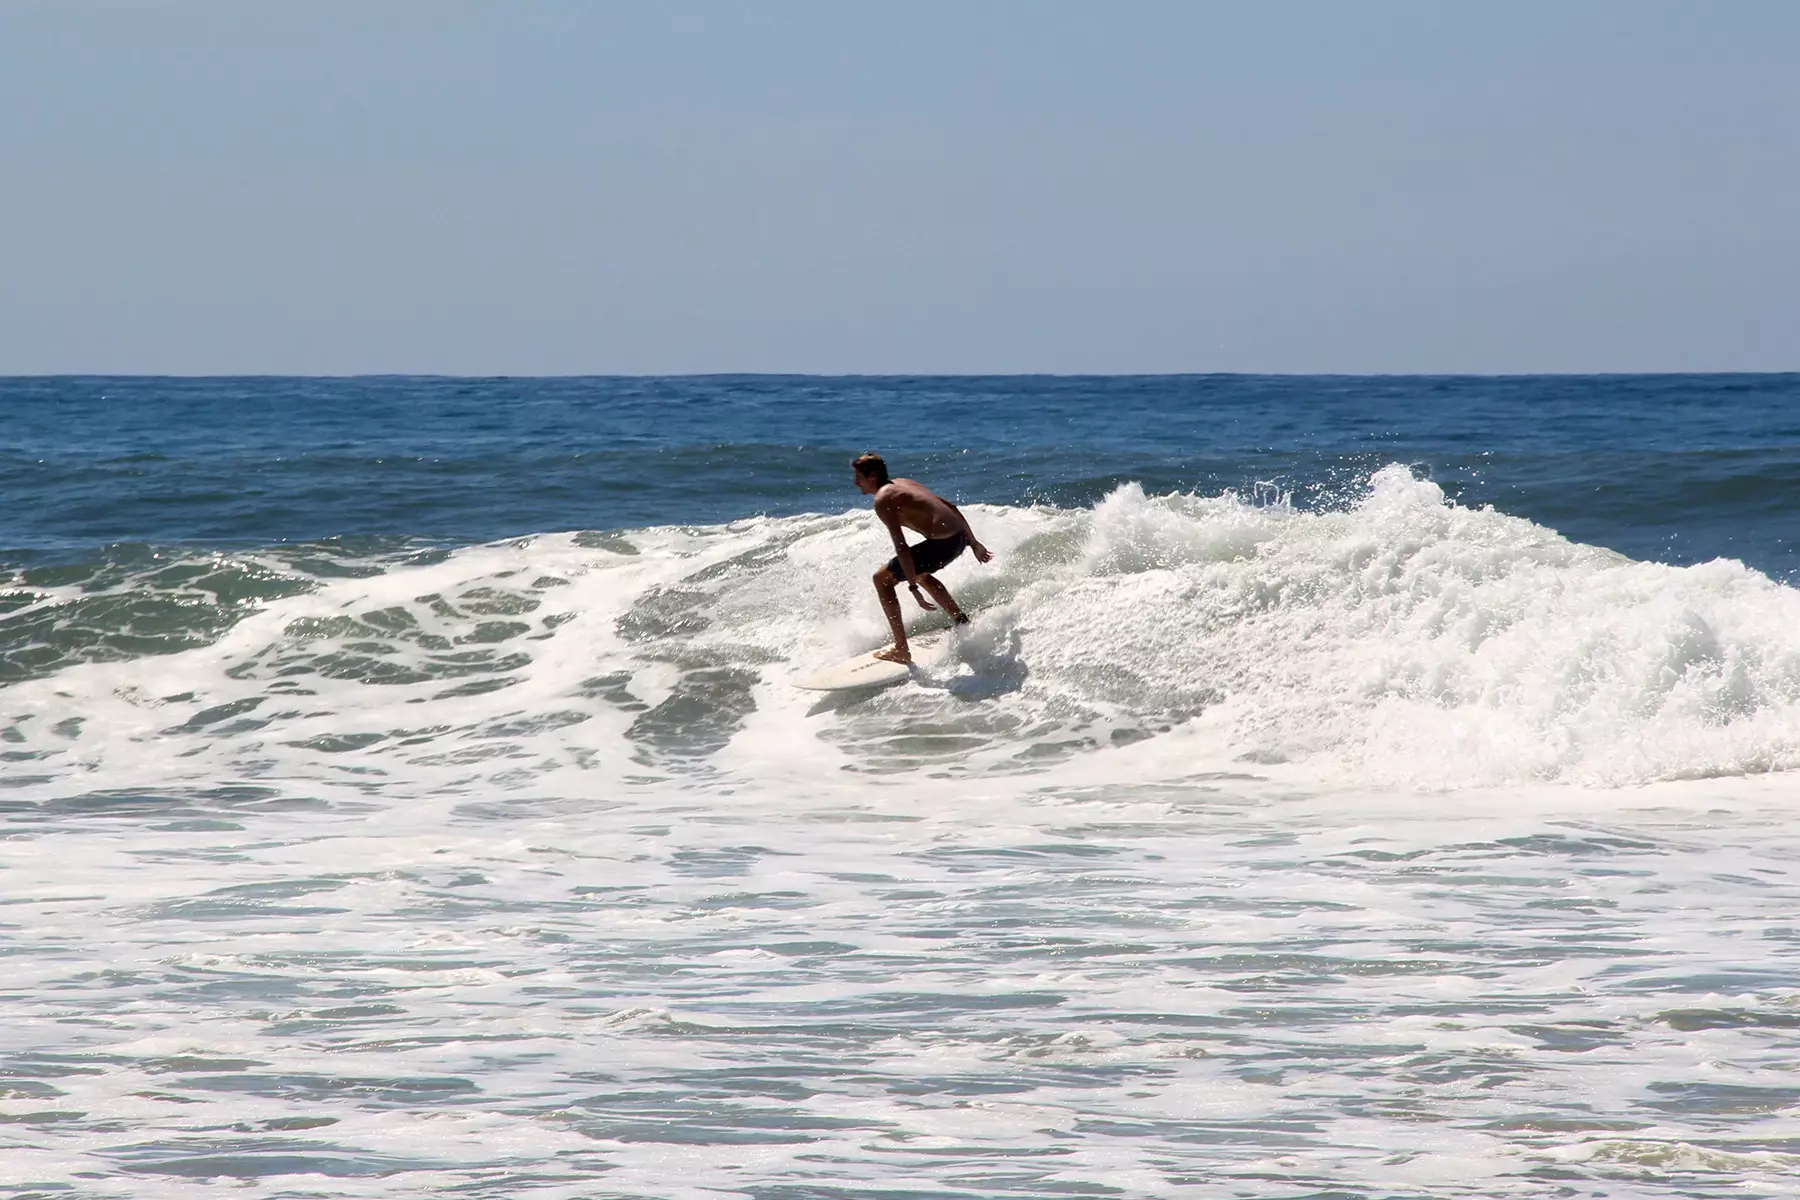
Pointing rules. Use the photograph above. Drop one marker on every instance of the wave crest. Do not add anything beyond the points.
(1397, 640)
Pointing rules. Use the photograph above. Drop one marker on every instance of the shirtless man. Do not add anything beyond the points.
(910, 504)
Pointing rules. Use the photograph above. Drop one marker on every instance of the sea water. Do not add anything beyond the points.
(1347, 787)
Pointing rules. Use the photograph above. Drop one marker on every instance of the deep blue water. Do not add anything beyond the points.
(1676, 468)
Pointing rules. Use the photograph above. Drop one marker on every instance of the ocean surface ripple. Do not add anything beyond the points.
(1361, 788)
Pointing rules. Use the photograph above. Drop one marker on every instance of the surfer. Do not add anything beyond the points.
(909, 504)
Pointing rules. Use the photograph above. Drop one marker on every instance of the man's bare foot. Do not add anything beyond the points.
(960, 619)
(891, 654)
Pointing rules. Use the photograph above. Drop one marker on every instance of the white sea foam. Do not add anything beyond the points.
(1402, 641)
(1235, 847)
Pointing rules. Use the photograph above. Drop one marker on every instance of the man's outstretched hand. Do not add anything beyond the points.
(982, 553)
(925, 604)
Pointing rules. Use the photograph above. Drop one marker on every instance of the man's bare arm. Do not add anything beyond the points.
(982, 553)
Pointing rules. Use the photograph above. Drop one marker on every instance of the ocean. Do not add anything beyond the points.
(1348, 787)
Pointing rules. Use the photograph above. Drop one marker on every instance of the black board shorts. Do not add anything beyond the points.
(930, 555)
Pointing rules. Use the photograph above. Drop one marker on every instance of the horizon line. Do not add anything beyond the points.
(493, 376)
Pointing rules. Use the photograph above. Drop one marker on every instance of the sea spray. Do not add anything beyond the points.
(1398, 640)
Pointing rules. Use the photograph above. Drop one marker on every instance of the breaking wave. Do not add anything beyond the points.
(1398, 640)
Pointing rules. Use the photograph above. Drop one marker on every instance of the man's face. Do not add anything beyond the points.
(865, 483)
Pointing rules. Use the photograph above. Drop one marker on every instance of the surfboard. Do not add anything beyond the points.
(867, 671)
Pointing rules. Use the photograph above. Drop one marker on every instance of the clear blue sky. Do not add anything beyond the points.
(843, 186)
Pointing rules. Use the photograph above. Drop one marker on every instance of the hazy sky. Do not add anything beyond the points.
(851, 186)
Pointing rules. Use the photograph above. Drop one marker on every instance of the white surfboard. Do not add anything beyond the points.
(867, 671)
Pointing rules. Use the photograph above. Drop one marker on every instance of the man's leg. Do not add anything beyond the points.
(885, 583)
(945, 600)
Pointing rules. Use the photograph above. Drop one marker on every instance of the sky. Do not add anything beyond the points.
(556, 187)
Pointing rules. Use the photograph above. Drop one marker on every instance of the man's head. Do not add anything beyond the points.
(871, 473)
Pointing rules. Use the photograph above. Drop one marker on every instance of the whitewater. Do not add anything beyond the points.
(1397, 848)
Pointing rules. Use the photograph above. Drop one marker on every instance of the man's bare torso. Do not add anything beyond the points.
(918, 508)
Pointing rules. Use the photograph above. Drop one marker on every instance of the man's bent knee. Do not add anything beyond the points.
(884, 580)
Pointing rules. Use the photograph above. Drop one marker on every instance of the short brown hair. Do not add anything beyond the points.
(871, 464)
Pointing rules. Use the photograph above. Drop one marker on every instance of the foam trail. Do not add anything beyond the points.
(1399, 641)
(522, 870)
